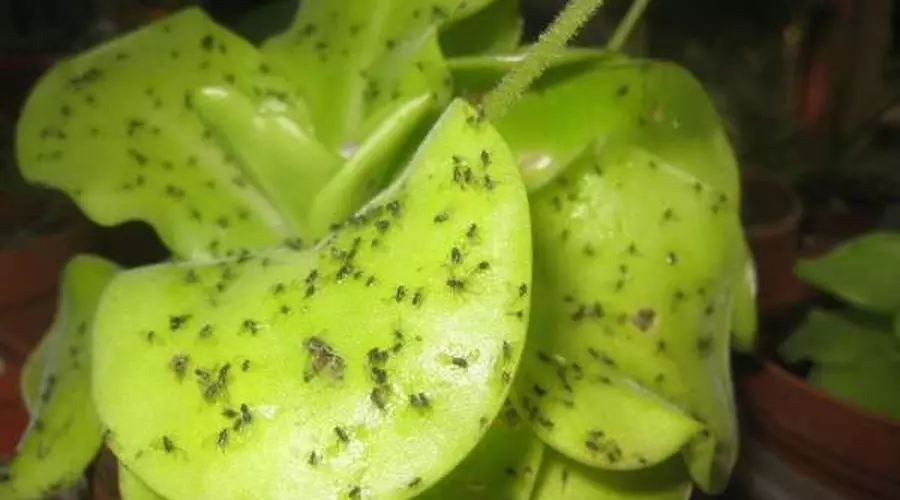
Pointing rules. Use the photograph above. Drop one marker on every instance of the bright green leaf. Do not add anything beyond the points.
(33, 371)
(836, 338)
(497, 29)
(564, 479)
(114, 127)
(65, 433)
(744, 322)
(132, 488)
(288, 165)
(657, 105)
(392, 322)
(366, 171)
(477, 74)
(504, 465)
(350, 60)
(637, 263)
(869, 384)
(864, 272)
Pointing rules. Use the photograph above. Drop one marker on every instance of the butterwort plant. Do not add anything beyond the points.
(410, 259)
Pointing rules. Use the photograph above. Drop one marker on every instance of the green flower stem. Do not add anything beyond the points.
(499, 100)
(627, 25)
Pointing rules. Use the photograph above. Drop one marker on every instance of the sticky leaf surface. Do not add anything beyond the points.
(366, 366)
(636, 264)
(64, 434)
(115, 128)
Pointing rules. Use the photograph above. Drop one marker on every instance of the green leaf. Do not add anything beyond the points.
(563, 479)
(657, 105)
(270, 144)
(365, 173)
(497, 29)
(65, 433)
(33, 370)
(863, 272)
(503, 465)
(744, 322)
(132, 488)
(897, 325)
(637, 263)
(477, 74)
(351, 60)
(836, 338)
(124, 141)
(392, 321)
(870, 384)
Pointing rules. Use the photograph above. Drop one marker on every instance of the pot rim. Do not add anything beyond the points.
(775, 371)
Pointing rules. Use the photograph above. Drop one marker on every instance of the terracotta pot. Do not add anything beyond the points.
(103, 477)
(855, 452)
(13, 416)
(30, 271)
(771, 214)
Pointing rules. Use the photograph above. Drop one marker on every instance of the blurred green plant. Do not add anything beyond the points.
(855, 350)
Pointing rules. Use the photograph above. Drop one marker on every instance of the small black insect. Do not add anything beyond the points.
(178, 321)
(417, 298)
(341, 434)
(379, 376)
(313, 459)
(441, 217)
(671, 258)
(456, 283)
(455, 256)
(222, 438)
(400, 293)
(419, 400)
(484, 265)
(485, 157)
(378, 397)
(207, 42)
(245, 365)
(394, 208)
(246, 416)
(704, 345)
(250, 325)
(523, 290)
(460, 362)
(644, 319)
(222, 378)
(472, 232)
(416, 481)
(167, 444)
(178, 364)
